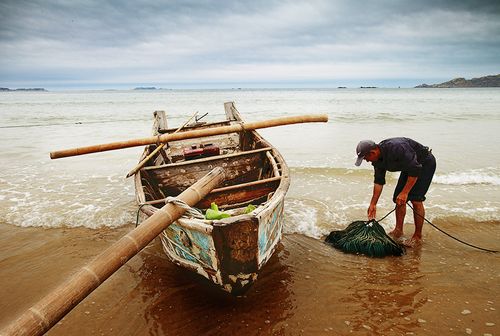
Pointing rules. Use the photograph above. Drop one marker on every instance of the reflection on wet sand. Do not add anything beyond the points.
(179, 302)
(387, 290)
(307, 288)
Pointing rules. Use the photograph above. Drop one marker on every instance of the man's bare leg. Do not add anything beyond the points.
(418, 217)
(400, 217)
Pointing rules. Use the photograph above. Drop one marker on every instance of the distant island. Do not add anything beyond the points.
(22, 89)
(486, 81)
(145, 88)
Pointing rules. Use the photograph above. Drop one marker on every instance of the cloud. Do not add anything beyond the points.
(237, 41)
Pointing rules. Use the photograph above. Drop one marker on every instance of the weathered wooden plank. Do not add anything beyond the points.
(273, 164)
(211, 158)
(239, 169)
(231, 112)
(237, 249)
(235, 194)
(240, 193)
(236, 175)
(160, 122)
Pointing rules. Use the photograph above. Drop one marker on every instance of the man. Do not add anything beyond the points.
(417, 166)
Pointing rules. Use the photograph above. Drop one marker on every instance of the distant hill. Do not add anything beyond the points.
(487, 81)
(22, 89)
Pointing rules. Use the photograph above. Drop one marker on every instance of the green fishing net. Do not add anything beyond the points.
(368, 238)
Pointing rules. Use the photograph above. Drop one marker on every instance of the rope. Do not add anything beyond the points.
(387, 215)
(190, 212)
(449, 235)
(440, 230)
(193, 212)
(138, 211)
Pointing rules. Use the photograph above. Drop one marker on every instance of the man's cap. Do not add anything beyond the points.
(363, 148)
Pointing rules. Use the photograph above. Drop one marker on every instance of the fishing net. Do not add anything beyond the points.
(368, 238)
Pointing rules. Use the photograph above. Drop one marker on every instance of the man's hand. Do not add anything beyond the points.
(372, 211)
(402, 198)
(403, 195)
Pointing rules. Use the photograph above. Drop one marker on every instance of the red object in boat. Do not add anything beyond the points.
(201, 151)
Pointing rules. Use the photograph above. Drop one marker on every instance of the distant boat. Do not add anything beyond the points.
(229, 251)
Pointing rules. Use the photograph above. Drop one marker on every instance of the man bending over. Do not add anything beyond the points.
(417, 166)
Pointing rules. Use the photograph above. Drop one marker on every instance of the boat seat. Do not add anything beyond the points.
(208, 159)
(241, 167)
(238, 194)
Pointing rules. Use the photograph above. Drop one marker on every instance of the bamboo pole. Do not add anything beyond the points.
(53, 307)
(158, 148)
(189, 135)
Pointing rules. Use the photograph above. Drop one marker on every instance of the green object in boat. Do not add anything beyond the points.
(214, 213)
(250, 208)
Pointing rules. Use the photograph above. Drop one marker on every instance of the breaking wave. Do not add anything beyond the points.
(479, 176)
(487, 176)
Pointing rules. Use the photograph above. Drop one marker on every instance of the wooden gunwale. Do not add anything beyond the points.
(187, 128)
(273, 164)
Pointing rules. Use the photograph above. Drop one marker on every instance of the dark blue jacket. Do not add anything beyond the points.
(399, 154)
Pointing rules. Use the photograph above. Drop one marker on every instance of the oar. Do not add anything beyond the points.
(189, 135)
(48, 311)
(158, 148)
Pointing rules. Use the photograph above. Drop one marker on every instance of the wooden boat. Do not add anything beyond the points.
(229, 251)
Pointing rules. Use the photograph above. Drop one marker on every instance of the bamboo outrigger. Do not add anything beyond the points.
(45, 313)
(229, 251)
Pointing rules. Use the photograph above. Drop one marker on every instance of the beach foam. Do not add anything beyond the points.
(478, 176)
(32, 198)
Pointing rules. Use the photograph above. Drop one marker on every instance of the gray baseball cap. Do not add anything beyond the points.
(363, 148)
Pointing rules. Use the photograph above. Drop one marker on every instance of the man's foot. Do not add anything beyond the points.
(412, 242)
(396, 234)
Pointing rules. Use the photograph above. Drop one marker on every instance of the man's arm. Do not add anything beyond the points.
(372, 209)
(403, 195)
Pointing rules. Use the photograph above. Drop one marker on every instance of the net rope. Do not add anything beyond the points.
(190, 211)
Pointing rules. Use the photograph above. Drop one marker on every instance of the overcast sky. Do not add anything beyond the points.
(257, 43)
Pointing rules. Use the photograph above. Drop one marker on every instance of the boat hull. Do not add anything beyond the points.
(231, 251)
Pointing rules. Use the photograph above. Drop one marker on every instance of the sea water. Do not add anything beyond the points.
(56, 215)
(327, 192)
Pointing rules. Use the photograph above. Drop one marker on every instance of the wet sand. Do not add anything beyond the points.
(307, 288)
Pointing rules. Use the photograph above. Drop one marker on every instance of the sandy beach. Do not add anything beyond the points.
(308, 288)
